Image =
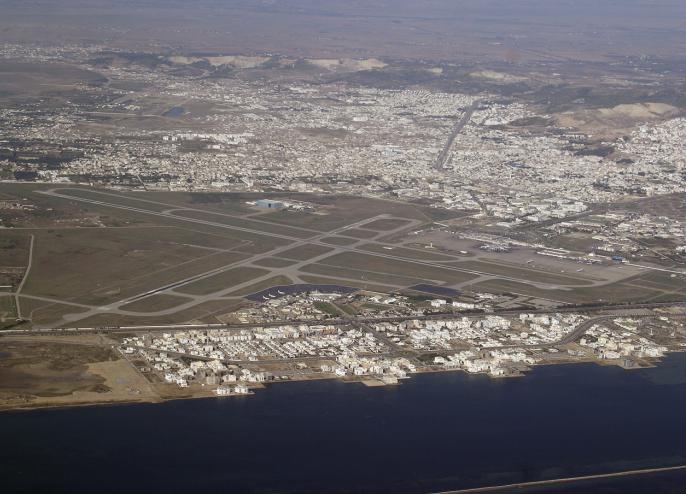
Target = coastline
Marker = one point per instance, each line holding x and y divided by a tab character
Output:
543	419
565	480
368	381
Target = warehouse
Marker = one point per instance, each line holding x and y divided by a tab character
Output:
269	204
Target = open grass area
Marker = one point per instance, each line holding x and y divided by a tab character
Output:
613	293
154	303
202	312
190	315
137	200
62	212
260	226
387	224
48	369
421	255
222	281
124	244
67	371
97	266
14	248
338	211
115	214
360	233
28	305
669	205
8	311
249	243
347	309
232	203
261	285
100	265
363	262
670	297
213	308
343	241
7	305
273	262
372	287
660	280
45	313
327	308
578	242
197	220
353	274
305	252
523	273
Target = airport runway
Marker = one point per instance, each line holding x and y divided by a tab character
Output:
293	271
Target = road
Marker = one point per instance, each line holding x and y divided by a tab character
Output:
23	280
445	152
616	310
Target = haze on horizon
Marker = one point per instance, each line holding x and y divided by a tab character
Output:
469	30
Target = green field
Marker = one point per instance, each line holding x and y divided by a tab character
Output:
372	287
305	252
261	285
97	266
327	308
200	312
42	313
363	262
387	224
660	280
222	281
8	311
616	292
273	262
130	200
420	255
339	241
523	273
353	274
359	233
14	248
338	211
252	224
157	302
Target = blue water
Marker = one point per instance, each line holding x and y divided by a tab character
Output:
434	432
174	112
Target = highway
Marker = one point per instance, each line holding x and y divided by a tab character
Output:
602	312
445	152
17	293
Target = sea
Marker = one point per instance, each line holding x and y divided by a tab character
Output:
432	433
